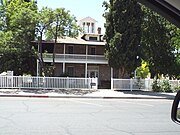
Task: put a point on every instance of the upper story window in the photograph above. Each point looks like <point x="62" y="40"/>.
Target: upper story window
<point x="70" y="71"/>
<point x="92" y="50"/>
<point x="84" y="26"/>
<point x="93" y="38"/>
<point x="88" y="29"/>
<point x="92" y="28"/>
<point x="70" y="49"/>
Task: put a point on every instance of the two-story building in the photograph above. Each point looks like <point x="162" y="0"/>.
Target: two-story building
<point x="82" y="56"/>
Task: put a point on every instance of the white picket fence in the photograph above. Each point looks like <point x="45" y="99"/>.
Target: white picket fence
<point x="30" y="82"/>
<point x="47" y="82"/>
<point x="137" y="84"/>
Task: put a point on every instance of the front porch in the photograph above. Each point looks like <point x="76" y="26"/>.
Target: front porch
<point x="100" y="71"/>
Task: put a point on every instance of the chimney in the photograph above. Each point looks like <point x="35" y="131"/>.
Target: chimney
<point x="99" y="30"/>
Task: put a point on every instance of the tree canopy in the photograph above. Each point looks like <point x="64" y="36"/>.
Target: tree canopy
<point x="20" y="24"/>
<point x="157" y="44"/>
<point x="135" y="31"/>
<point x="63" y="24"/>
<point x="17" y="32"/>
<point x="123" y="35"/>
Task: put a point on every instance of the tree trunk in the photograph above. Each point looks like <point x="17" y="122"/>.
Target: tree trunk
<point x="54" y="54"/>
<point x="123" y="73"/>
<point x="41" y="55"/>
<point x="54" y="50"/>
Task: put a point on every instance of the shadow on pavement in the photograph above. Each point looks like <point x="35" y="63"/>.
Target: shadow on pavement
<point x="150" y="94"/>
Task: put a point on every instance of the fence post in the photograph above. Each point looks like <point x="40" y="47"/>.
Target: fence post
<point x="67" y="84"/>
<point x="149" y="84"/>
<point x="96" y="83"/>
<point x="12" y="81"/>
<point x="112" y="83"/>
<point x="131" y="84"/>
<point x="89" y="82"/>
<point x="20" y="80"/>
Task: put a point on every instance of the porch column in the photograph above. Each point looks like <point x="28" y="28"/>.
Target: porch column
<point x="37" y="68"/>
<point x="86" y="70"/>
<point x="112" y="79"/>
<point x="63" y="67"/>
<point x="86" y="61"/>
<point x="111" y="72"/>
<point x="64" y="52"/>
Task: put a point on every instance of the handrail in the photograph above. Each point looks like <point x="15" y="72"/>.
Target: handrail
<point x="74" y="57"/>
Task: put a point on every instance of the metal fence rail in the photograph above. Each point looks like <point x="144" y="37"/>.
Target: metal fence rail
<point x="138" y="84"/>
<point x="47" y="82"/>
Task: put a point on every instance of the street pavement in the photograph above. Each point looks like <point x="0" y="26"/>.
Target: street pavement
<point x="86" y="116"/>
<point x="76" y="93"/>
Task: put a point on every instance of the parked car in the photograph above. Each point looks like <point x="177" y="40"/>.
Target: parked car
<point x="175" y="113"/>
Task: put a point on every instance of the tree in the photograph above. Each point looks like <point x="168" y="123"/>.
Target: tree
<point x="3" y="5"/>
<point x="123" y="35"/>
<point x="175" y="43"/>
<point x="45" y="18"/>
<point x="18" y="32"/>
<point x="156" y="43"/>
<point x="63" y="25"/>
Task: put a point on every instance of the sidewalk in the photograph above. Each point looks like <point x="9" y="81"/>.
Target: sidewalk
<point x="101" y="93"/>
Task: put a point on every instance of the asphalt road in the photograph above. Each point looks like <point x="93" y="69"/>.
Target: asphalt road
<point x="46" y="116"/>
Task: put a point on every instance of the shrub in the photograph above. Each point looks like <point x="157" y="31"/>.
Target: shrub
<point x="161" y="86"/>
<point x="156" y="87"/>
<point x="166" y="87"/>
<point x="176" y="88"/>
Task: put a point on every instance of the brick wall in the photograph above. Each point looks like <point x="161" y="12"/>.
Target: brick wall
<point x="104" y="77"/>
<point x="59" y="48"/>
<point x="79" y="49"/>
<point x="104" y="72"/>
<point x="79" y="69"/>
<point x="100" y="50"/>
<point x="59" y="69"/>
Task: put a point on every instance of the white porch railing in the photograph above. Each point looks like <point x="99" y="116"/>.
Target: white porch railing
<point x="76" y="58"/>
<point x="137" y="84"/>
<point x="47" y="82"/>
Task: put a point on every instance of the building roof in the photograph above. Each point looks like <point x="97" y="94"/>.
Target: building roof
<point x="74" y="41"/>
<point x="79" y="41"/>
<point x="89" y="19"/>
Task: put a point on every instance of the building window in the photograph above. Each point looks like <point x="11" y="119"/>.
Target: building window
<point x="92" y="50"/>
<point x="70" y="49"/>
<point x="70" y="71"/>
<point x="84" y="26"/>
<point x="93" y="38"/>
<point x="93" y="73"/>
<point x="92" y="27"/>
<point x="88" y="25"/>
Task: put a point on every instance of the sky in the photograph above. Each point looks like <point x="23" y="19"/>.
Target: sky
<point x="79" y="8"/>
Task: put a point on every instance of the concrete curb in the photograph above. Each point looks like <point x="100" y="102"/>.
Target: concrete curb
<point x="90" y="97"/>
<point x="30" y="96"/>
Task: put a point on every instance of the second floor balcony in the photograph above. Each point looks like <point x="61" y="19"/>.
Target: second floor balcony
<point x="75" y="58"/>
